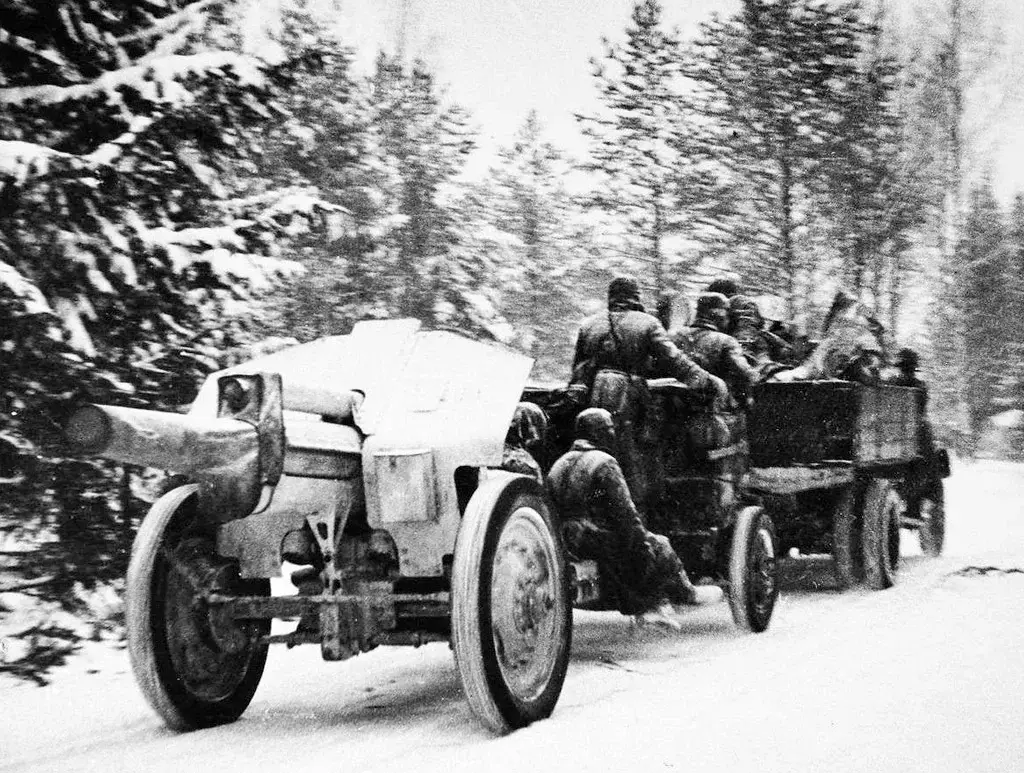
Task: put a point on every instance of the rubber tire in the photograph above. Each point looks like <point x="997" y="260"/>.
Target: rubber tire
<point x="846" y="539"/>
<point x="148" y="648"/>
<point x="753" y="526"/>
<point x="473" y="639"/>
<point x="933" y="535"/>
<point x="881" y="512"/>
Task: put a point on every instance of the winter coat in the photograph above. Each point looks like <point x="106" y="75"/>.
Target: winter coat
<point x="639" y="569"/>
<point x="719" y="354"/>
<point x="518" y="459"/>
<point x="615" y="353"/>
<point x="632" y="342"/>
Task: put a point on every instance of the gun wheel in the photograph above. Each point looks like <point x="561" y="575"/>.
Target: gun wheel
<point x="882" y="509"/>
<point x="195" y="668"/>
<point x="511" y="609"/>
<point x="753" y="570"/>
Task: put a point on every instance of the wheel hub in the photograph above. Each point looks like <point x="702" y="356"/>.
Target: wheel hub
<point x="209" y="651"/>
<point x="763" y="571"/>
<point x="523" y="603"/>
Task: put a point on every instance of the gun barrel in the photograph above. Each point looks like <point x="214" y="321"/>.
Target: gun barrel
<point x="168" y="441"/>
<point x="338" y="404"/>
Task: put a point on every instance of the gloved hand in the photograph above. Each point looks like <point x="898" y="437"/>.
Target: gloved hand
<point x="576" y="394"/>
<point x="719" y="393"/>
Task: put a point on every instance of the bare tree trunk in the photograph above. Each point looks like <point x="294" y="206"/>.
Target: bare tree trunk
<point x="786" y="234"/>
<point x="952" y="61"/>
<point x="877" y="280"/>
<point x="895" y="291"/>
<point x="656" y="257"/>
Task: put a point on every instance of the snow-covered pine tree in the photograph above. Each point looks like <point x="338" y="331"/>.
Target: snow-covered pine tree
<point x="1011" y="393"/>
<point x="770" y="89"/>
<point x="970" y="324"/>
<point x="639" y="147"/>
<point x="546" y="264"/>
<point x="952" y="55"/>
<point x="986" y="260"/>
<point x="120" y="245"/>
<point x="875" y="194"/>
<point x="436" y="274"/>
<point x="327" y="139"/>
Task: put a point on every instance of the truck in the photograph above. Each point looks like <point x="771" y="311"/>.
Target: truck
<point x="845" y="467"/>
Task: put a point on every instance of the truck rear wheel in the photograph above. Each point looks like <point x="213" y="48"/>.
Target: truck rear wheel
<point x="511" y="607"/>
<point x="932" y="512"/>
<point x="882" y="509"/>
<point x="753" y="570"/>
<point x="193" y="672"/>
<point x="846" y="539"/>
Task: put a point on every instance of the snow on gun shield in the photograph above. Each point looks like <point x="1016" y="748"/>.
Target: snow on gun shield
<point x="368" y="458"/>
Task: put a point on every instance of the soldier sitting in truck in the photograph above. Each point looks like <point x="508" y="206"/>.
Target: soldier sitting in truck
<point x="766" y="351"/>
<point x="639" y="569"/>
<point x="707" y="343"/>
<point x="907" y="363"/>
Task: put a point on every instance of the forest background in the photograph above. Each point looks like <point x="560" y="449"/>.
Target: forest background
<point x="179" y="192"/>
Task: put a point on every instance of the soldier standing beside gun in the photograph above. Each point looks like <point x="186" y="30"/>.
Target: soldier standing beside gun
<point x="616" y="352"/>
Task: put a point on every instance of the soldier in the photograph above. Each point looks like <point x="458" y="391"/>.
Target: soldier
<point x="764" y="349"/>
<point x="715" y="350"/>
<point x="615" y="353"/>
<point x="524" y="438"/>
<point x="639" y="569"/>
<point x="907" y="363"/>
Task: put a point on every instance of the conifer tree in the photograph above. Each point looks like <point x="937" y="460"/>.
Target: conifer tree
<point x="124" y="253"/>
<point x="875" y="192"/>
<point x="543" y="245"/>
<point x="327" y="140"/>
<point x="984" y="290"/>
<point x="771" y="86"/>
<point x="639" y="148"/>
<point x="1011" y="386"/>
<point x="425" y="141"/>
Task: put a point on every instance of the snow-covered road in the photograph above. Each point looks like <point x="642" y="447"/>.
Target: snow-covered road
<point x="928" y="676"/>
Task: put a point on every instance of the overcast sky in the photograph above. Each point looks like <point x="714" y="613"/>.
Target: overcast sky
<point x="502" y="58"/>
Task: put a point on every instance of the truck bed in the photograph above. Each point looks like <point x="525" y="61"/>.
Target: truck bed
<point x="812" y="423"/>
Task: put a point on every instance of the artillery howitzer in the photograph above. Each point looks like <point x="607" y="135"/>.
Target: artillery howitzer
<point x="368" y="459"/>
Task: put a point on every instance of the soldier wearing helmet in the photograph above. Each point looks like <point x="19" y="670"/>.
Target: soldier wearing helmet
<point x="616" y="351"/>
<point x="640" y="571"/>
<point x="907" y="363"/>
<point x="715" y="350"/>
<point x="765" y="350"/>
<point x="524" y="441"/>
